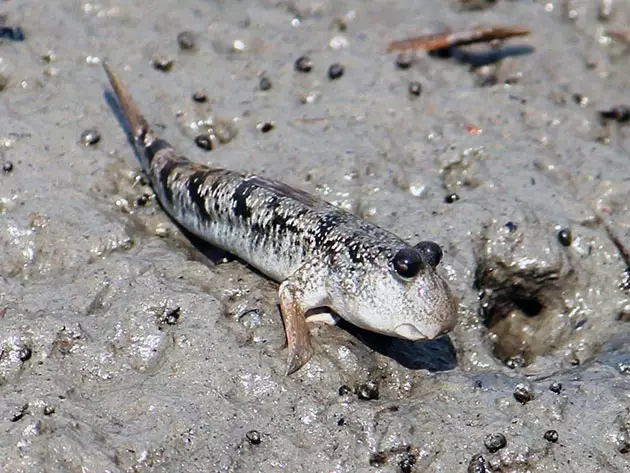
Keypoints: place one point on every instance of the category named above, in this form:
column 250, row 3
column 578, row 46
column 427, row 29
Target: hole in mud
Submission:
column 531, row 307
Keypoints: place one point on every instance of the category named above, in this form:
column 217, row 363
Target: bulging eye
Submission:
column 408, row 262
column 430, row 251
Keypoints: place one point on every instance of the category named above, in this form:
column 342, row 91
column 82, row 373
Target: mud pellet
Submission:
column 304, row 64
column 407, row 463
column 25, row 354
column 142, row 200
column 564, row 237
column 90, row 137
column 186, row 41
column 7, row 167
column 344, row 390
column 451, row 198
column 265, row 127
column 204, row 141
column 415, row 88
column 523, row 393
column 253, row 436
column 335, row 71
column 495, row 442
column 49, row 410
column 551, row 436
column 404, row 60
column 265, row 83
column 477, row 464
column 19, row 413
column 162, row 63
column 368, row 391
column 200, row 97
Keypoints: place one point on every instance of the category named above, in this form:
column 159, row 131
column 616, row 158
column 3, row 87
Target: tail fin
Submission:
column 137, row 124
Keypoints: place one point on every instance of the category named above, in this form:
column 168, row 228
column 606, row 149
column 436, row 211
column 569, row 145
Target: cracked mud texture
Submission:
column 124, row 347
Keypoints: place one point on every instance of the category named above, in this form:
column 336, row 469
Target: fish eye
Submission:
column 431, row 252
column 408, row 262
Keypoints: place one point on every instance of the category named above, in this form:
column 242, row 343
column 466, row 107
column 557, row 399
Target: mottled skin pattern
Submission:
column 322, row 255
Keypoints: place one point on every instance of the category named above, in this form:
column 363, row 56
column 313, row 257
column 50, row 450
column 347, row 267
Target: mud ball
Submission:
column 90, row 137
column 266, row 127
column 25, row 354
column 404, row 60
column 344, row 390
column 564, row 237
column 304, row 64
column 264, row 84
column 523, row 393
column 200, row 97
column 415, row 88
column 555, row 387
column 186, row 41
column 253, row 436
column 368, row 391
column 451, row 198
column 7, row 167
column 204, row 141
column 551, row 436
column 335, row 71
column 495, row 442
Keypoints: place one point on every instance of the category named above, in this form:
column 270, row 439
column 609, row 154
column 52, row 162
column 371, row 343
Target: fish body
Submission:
column 322, row 256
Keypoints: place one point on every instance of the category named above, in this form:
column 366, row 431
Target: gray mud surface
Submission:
column 125, row 348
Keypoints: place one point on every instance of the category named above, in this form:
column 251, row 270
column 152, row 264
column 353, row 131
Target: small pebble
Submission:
column 303, row 64
column 253, row 436
column 7, row 167
column 25, row 354
column 555, row 387
column 404, row 60
column 495, row 442
column 204, row 141
column 90, row 137
column 344, row 390
column 162, row 63
column 564, row 237
column 335, row 71
column 368, row 391
column 551, row 436
column 415, row 88
column 142, row 200
column 341, row 422
column 407, row 463
column 265, row 83
column 449, row 199
column 514, row 362
column 265, row 127
column 200, row 97
column 477, row 464
column 49, row 410
column 186, row 41
column 523, row 393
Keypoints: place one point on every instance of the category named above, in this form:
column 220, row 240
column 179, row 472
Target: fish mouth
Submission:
column 409, row 332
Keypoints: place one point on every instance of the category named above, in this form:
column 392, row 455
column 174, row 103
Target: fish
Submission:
column 329, row 263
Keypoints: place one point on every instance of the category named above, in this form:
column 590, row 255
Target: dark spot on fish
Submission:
column 239, row 197
column 163, row 176
column 326, row 224
column 195, row 181
column 156, row 146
